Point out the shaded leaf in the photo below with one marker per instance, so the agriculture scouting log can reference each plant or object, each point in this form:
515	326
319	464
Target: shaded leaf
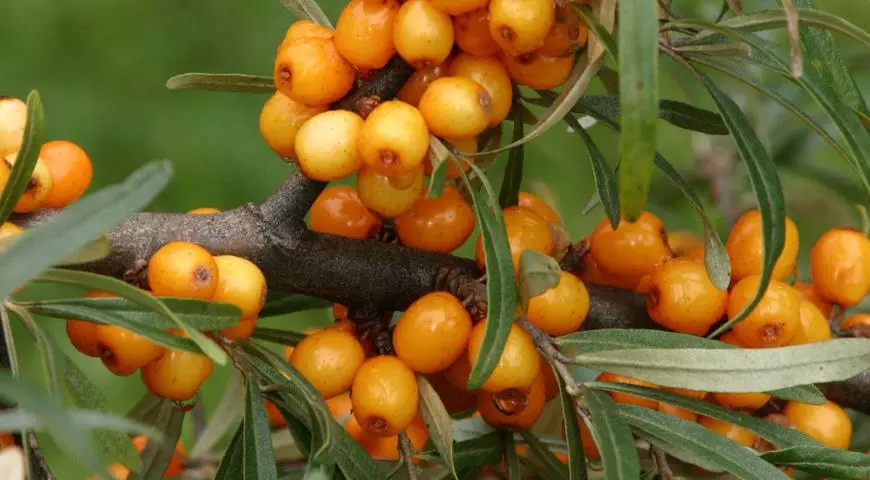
573	439
513	175
438	422
52	362
274	335
482	450
26	157
612	436
231	467
259	458
537	274
278	303
553	467
605	182
598	31
157	455
828	462
511	459
16	419
307	9
94	250
222	82
229	410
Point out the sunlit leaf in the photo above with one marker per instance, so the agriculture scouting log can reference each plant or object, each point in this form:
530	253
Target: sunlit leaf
612	436
259	458
437	421
307	9
157	455
513	175
828	462
222	82
605	183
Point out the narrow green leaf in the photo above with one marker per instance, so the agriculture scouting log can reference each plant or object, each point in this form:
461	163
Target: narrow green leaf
222	82
537	274
52	362
691	118
320	449
229	410
553	467
157	455
274	335
439	156
438	422
231	466
278	303
307	9
613	437
15	419
605	182
703	442
511	459
576	457
513	175
257	439
78	224
318	471
598	30
27	155
94	250
677	451
828	462
483	450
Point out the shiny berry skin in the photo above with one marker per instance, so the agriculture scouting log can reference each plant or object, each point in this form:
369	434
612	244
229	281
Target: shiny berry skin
856	320
568	34
681	241
490	74
339	211
682	298
9	229
745	247
537	205
773	322
13	119
733	432
810	293
827	423
422	34
307	29
840	266
241	330
389	197
458	7
204	211
240	283
472	34
71	172
520	26
413	90
633	249
440	224
123	352
538	71
456	107
432	333
457	374
741	401
627	398
329	360
183	269
562	309
515	409
385	396
394	138
280	120
387	448
38	189
176	375
813	325
731	339
327	145
364	32
83	334
518	365
678	412
525	230
592	273
311	71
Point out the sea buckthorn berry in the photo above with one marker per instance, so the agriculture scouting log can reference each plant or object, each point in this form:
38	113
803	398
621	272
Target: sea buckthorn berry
518	365
773	322
520	26
204	211
813	325
123	352
364	32
514	409
9	229
329	360
385	396
856	320
7	440
561	309
592	273
678	412
551	385
627	398
567	35
38	188
456	107
526	230
439	224
810	293
457	374
535	204
459	7
538	71
176	375
241	330
339	211
490	74
183	269
432	333
590	449
176	463
241	283
741	401
680	241
730	338
472	33
276	420
697	395
327	145
634	249
394	138
13	118
71	172
340	407
840	266
387	448
82	334
414	88
280	121
339	312
827	423
682	298
733	432
455	400
307	29
422	34
745	248
311	71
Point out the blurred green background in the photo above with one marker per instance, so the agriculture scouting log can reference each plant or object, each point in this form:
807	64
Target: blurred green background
101	66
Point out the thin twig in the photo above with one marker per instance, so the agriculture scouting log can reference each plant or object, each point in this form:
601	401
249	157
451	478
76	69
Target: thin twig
794	39
408	455
660	460
544	345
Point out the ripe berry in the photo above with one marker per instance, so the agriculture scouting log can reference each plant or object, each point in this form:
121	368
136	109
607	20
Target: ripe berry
183	269
678	412
455	400
551	385
534	203
9	229
241	330
385	396
627	398
71	172
562	309
280	121
526	230
633	249
38	189
472	33
773	322
311	71
490	74
422	34
855	320
733	432
538	71
439	224
456	107
840	265
813	325
204	211
567	35
241	283
176	375
514	409
745	247
327	145
827	423
682	298
457	374
394	138
276	420
810	293
329	360
419	82
731	339
387	448
7	440
741	401
83	334
520	26
364	32
123	352
339	211
681	241
389	197
13	118
432	333
592	273
518	365
306	29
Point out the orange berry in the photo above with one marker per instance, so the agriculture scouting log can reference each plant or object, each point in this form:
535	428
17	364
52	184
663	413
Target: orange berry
432	333
855	320
276	420
682	298
306	29
439	224
339	312
472	33
633	249
364	32
384	396
83	334
773	322
458	7
457	374
414	88
733	432
116	471
538	71
455	400
627	398
813	325
183	269
123	352
311	71
176	375
590	449
567	35
535	204
240	283
241	330
329	360
562	309
422	34
204	211
456	107
38	188
176	463
394	138
518	365
339	211
327	145
7	440
13	118
490	74
681	241
520	26
387	448
514	409
827	423
741	401
71	171
526	230
810	293
840	266
678	412
340	407
731	339
551	385
697	395
9	229
592	273
745	247
280	120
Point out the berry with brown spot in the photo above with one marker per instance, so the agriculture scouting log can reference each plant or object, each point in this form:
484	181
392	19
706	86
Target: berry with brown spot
364	32
568	34
775	319
513	409
280	121
83	334
490	74
682	298
456	107
123	352
385	396
394	139
183	269
310	70
520	26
